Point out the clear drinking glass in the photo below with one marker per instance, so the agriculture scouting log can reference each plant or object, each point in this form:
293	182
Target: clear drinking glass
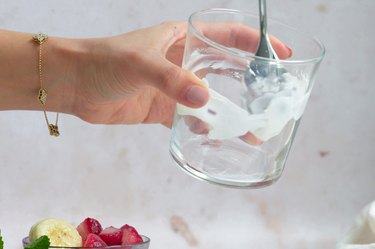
242	136
144	245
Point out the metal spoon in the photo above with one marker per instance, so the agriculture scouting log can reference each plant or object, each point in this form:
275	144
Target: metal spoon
259	67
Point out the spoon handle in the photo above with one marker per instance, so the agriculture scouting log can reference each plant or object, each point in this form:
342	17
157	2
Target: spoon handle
263	17
264	47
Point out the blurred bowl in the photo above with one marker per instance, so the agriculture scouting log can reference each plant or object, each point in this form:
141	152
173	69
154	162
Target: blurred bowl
144	245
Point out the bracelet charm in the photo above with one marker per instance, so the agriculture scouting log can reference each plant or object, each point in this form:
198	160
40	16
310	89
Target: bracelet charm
42	96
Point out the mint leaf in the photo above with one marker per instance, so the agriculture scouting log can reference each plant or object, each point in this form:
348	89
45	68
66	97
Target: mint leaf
1	242
40	243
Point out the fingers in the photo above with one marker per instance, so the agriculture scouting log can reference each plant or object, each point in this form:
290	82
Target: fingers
153	65
234	35
250	138
199	127
170	33
184	86
196	125
177	83
240	36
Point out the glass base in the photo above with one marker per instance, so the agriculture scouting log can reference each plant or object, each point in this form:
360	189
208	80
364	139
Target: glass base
209	167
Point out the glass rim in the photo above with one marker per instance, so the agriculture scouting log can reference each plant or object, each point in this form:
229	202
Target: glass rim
145	239
247	54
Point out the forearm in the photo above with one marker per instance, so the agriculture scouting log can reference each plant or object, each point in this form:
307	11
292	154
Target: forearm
19	72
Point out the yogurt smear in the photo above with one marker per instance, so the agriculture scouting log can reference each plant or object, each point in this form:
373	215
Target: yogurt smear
265	116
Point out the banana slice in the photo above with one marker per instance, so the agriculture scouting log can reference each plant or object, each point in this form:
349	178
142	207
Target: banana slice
60	232
371	217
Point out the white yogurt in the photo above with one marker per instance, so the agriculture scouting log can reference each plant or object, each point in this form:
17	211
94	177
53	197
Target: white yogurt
277	99
276	104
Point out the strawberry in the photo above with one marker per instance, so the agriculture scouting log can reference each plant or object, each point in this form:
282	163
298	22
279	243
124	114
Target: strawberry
89	225
93	240
111	235
130	235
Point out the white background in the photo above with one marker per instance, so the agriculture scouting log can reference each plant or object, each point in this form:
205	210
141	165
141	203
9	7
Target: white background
124	174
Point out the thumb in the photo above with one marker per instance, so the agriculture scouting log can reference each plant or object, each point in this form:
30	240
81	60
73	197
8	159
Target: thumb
177	83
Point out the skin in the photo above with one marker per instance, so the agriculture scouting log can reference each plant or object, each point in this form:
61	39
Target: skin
127	79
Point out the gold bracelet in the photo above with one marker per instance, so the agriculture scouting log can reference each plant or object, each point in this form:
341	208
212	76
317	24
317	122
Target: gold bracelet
40	38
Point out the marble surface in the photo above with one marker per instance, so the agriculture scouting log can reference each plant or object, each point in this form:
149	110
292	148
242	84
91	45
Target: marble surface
124	174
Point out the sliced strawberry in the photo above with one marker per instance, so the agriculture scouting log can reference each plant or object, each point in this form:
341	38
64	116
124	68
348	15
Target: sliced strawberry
93	240
128	227
89	225
111	235
130	235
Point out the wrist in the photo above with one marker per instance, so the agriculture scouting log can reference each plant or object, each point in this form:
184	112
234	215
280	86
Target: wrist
19	72
62	67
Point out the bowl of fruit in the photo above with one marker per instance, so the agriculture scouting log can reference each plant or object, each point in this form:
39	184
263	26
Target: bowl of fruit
58	233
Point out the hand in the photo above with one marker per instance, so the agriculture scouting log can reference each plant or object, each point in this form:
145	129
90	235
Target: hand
136	77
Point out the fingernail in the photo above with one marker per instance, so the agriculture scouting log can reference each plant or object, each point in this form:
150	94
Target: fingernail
197	95
289	50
